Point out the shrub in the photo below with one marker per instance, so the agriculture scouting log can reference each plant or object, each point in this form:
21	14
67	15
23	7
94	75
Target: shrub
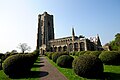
1	55
5	56
50	55
65	61
118	52
17	65
81	53
77	53
73	53
46	54
13	53
64	53
35	54
55	56
110	57
31	57
96	53
87	52
88	66
70	53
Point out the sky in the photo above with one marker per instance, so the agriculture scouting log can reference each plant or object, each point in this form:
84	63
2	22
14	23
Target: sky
19	20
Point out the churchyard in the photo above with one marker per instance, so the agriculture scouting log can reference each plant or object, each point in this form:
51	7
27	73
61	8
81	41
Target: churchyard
83	65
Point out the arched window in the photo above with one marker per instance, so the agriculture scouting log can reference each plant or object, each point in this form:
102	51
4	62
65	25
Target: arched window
82	46
65	48
55	49
70	47
59	49
76	46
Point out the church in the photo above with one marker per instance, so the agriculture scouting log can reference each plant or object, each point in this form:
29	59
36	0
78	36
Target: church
46	41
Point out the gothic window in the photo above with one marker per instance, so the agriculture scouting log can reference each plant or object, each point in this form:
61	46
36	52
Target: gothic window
76	46
55	49
59	49
65	48
70	47
82	46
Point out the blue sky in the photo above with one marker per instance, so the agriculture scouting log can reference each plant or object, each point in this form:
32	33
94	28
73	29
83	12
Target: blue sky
19	19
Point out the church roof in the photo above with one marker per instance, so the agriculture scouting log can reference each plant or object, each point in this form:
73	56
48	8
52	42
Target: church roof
64	38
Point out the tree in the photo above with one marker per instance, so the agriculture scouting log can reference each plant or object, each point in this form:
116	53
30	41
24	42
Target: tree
117	39
14	51
115	44
24	47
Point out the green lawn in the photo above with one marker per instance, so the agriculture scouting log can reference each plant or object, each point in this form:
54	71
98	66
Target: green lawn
67	72
111	72
3	76
35	73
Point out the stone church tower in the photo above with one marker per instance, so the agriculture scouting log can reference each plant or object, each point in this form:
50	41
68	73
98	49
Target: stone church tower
47	43
45	30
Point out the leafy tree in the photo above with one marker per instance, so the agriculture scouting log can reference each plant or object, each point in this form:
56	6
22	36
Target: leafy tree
24	47
115	44
117	39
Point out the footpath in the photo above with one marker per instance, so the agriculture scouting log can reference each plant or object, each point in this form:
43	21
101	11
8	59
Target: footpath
48	71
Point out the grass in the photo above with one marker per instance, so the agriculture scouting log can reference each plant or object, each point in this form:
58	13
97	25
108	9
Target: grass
35	73
111	72
3	76
66	71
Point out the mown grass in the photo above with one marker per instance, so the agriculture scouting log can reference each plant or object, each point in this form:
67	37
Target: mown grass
111	72
66	71
3	76
34	75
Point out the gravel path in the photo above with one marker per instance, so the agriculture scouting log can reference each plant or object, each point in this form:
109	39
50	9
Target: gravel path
49	72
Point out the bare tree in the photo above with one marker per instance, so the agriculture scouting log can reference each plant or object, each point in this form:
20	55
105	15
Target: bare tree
24	47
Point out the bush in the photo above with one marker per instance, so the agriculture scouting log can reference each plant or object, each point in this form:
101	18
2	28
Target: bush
13	53
77	53
5	56
73	53
110	57
96	53
88	66
55	56
82	52
17	65
35	54
50	55
87	52
64	53
65	61
1	55
46	54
